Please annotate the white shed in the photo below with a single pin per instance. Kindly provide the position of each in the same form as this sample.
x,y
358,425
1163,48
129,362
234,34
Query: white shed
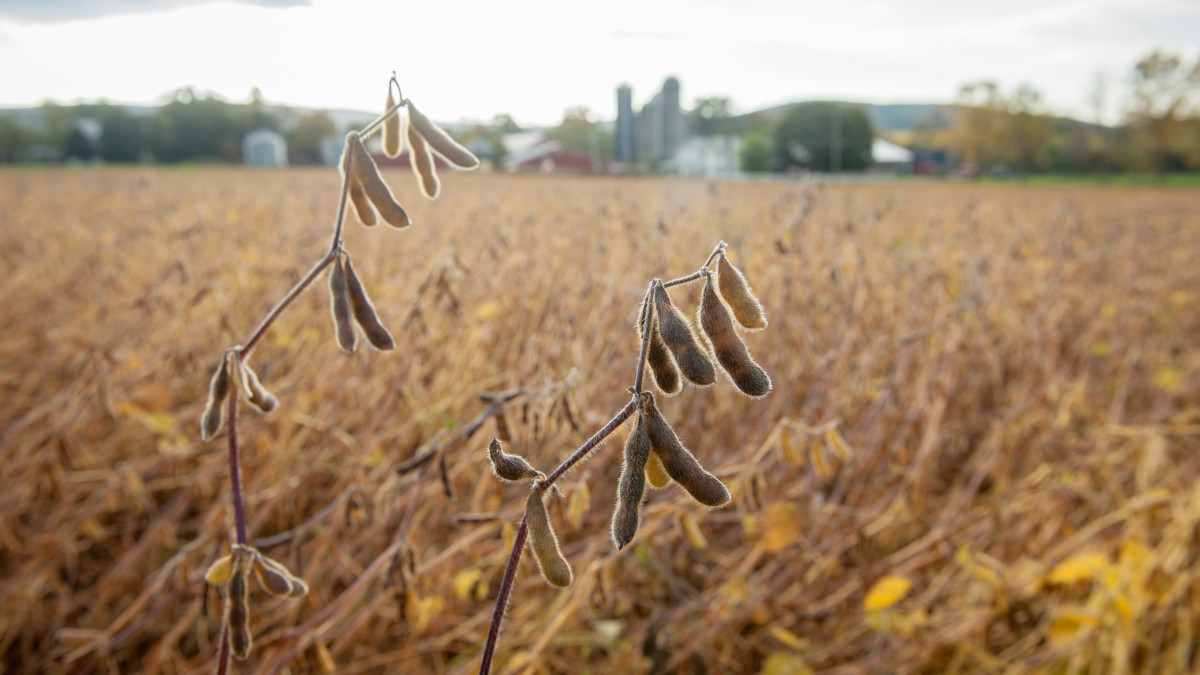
x,y
891,157
264,147
707,156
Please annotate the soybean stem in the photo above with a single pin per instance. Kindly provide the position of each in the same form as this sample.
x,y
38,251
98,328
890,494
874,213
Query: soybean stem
x,y
510,571
287,300
646,327
506,584
592,442
719,249
334,246
235,473
370,128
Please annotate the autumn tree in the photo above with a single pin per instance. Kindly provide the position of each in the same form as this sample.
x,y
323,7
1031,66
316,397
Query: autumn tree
x,y
579,131
1165,110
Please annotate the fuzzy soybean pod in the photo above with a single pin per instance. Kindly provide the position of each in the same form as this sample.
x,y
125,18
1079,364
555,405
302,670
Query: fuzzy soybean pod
x,y
680,463
658,357
239,616
440,141
339,306
632,484
218,390
364,311
362,205
256,394
731,352
553,566
510,468
678,336
364,170
393,140
422,161
736,291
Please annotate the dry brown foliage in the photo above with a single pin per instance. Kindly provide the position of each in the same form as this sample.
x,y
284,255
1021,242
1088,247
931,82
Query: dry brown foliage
x,y
1011,372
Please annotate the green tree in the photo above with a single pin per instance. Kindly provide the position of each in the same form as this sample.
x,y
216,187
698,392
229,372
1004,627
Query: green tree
x,y
504,124
194,128
120,136
14,140
824,137
78,146
711,115
304,139
755,155
579,132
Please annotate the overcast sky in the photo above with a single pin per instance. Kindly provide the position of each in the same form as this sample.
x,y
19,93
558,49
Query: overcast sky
x,y
533,59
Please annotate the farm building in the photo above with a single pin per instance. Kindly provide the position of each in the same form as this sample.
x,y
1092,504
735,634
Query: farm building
x,y
891,158
550,156
264,147
708,156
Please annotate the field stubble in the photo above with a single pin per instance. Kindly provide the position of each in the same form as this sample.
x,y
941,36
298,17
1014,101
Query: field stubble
x,y
1012,371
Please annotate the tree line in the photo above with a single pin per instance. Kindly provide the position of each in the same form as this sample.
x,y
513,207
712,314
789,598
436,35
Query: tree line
x,y
988,130
190,127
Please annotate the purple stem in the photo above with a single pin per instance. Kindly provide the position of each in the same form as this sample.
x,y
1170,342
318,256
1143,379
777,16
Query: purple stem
x,y
510,576
235,473
645,322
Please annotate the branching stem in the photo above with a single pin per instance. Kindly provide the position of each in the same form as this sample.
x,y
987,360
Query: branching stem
x,y
235,472
510,571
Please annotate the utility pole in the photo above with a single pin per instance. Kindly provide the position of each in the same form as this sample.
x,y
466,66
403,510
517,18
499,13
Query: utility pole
x,y
835,141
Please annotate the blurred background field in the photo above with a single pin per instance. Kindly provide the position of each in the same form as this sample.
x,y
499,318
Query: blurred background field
x,y
1013,371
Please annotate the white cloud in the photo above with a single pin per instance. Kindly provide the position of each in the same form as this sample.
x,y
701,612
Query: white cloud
x,y
534,59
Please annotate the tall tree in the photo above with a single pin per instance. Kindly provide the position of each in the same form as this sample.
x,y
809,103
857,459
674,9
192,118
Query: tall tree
x,y
579,132
755,155
1164,108
120,136
1027,129
824,137
304,139
711,115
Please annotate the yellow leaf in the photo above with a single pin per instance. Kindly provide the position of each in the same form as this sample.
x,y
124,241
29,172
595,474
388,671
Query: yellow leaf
x,y
161,423
464,581
578,504
791,454
488,310
1079,567
1069,624
886,592
820,465
425,609
780,526
691,529
978,569
787,637
750,525
837,444
1169,379
324,659
785,663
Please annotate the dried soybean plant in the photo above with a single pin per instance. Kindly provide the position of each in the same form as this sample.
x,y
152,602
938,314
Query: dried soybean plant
x,y
653,452
365,189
